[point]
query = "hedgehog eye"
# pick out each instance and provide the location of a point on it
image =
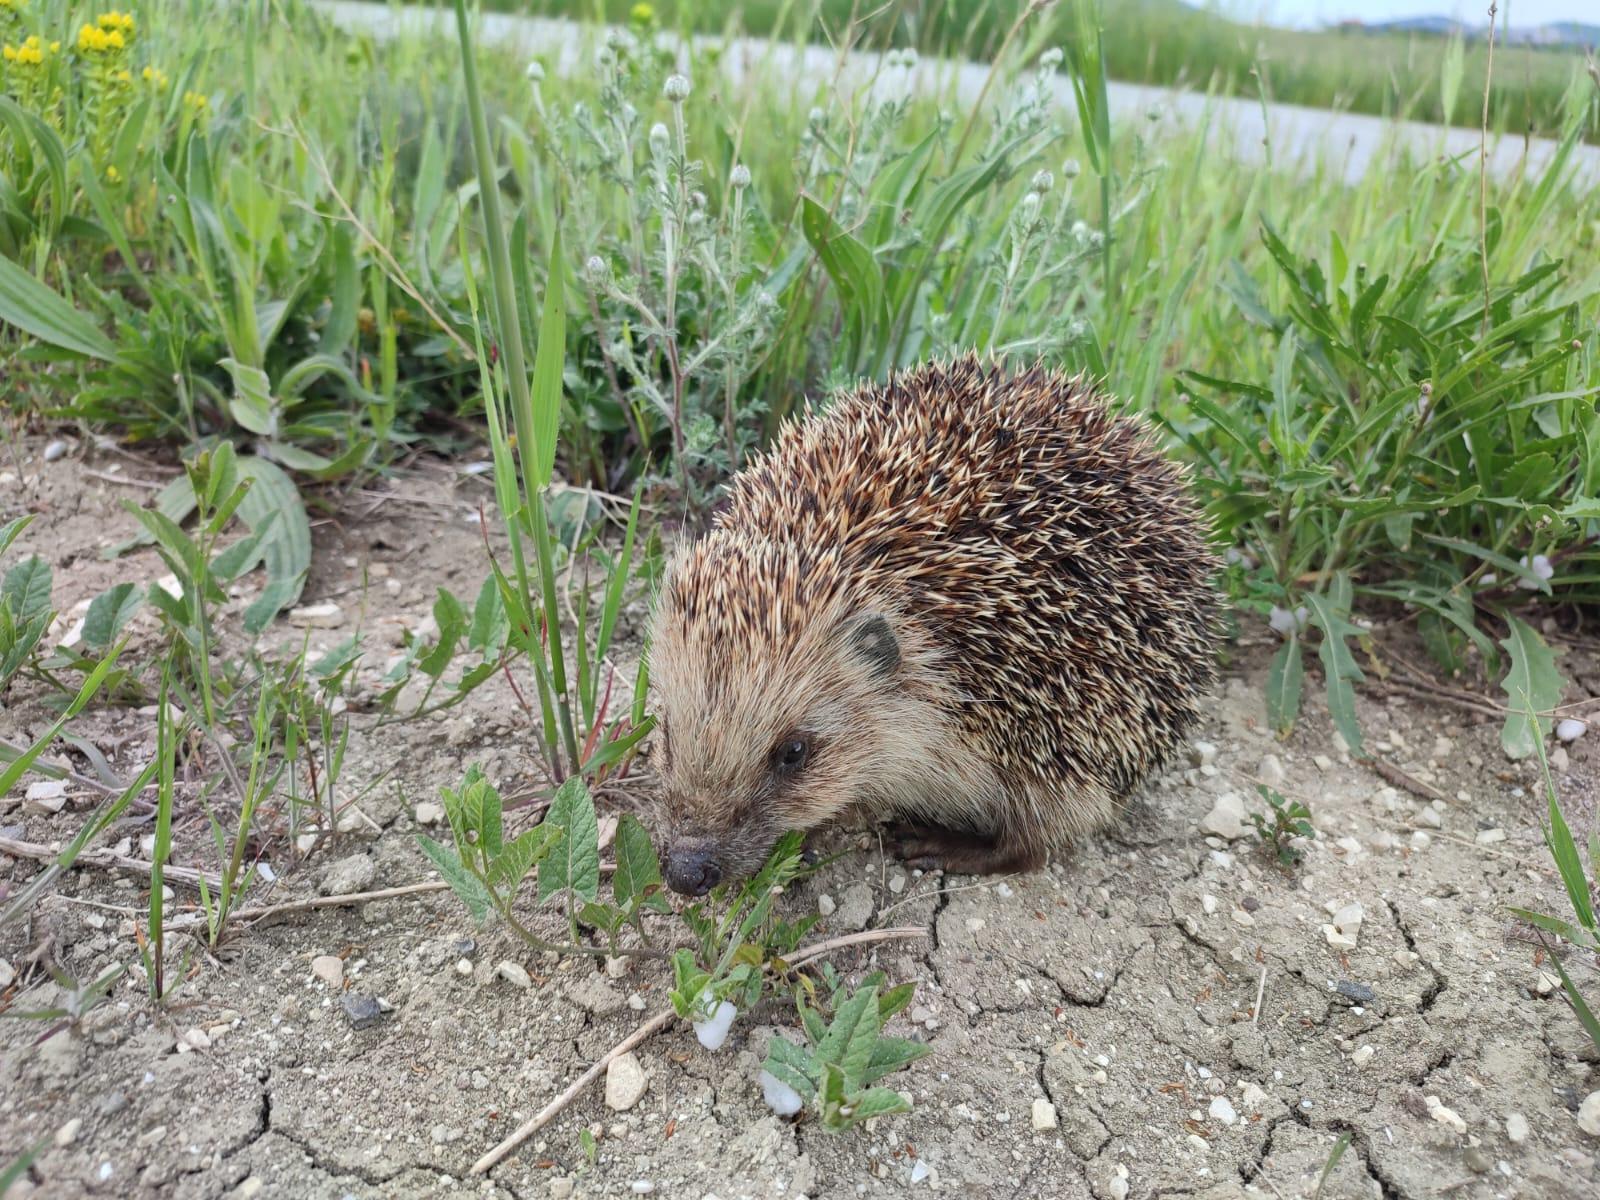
(790, 756)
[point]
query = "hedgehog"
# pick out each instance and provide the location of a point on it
(971, 601)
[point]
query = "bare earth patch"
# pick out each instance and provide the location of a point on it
(1119, 987)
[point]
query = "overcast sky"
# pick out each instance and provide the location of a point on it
(1474, 12)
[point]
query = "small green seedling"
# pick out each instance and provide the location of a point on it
(1278, 829)
(834, 1074)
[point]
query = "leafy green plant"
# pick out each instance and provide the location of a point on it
(1282, 823)
(1582, 933)
(835, 1072)
(25, 611)
(580, 736)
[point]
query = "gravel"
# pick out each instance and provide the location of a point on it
(1517, 1128)
(1589, 1114)
(1222, 1110)
(1044, 1115)
(329, 968)
(1358, 993)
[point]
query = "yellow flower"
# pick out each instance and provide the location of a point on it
(195, 100)
(117, 20)
(642, 14)
(55, 47)
(155, 77)
(113, 175)
(123, 76)
(10, 52)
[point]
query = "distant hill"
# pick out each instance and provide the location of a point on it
(1556, 33)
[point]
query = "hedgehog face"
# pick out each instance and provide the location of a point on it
(771, 703)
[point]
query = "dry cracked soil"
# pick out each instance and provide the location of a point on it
(1164, 1011)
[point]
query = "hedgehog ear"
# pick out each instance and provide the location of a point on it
(872, 638)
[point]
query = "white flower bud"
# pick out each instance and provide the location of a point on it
(659, 137)
(677, 88)
(1052, 58)
(739, 177)
(535, 71)
(1028, 210)
(596, 271)
(1043, 181)
(1070, 168)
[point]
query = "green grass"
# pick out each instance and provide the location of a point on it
(1168, 43)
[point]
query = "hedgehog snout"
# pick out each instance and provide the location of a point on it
(692, 866)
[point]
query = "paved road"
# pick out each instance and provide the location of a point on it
(1349, 144)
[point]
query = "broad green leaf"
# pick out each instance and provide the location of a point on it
(27, 588)
(850, 1037)
(574, 860)
(1532, 686)
(482, 813)
(850, 265)
(792, 1065)
(489, 622)
(465, 885)
(895, 999)
(253, 405)
(286, 550)
(108, 613)
(451, 619)
(890, 1054)
(12, 529)
(519, 856)
(1284, 681)
(637, 865)
(34, 308)
(876, 1102)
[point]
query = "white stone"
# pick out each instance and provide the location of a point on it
(1208, 904)
(1222, 1110)
(1447, 1117)
(514, 974)
(1362, 1056)
(429, 813)
(327, 615)
(196, 1039)
(1345, 929)
(1253, 1097)
(56, 449)
(1271, 770)
(1589, 1114)
(826, 905)
(1429, 816)
(625, 1082)
(329, 968)
(1226, 818)
(1118, 1186)
(45, 797)
(1570, 729)
(1202, 754)
(1489, 837)
(68, 1133)
(1044, 1115)
(1517, 1128)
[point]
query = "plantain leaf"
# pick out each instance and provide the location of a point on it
(34, 308)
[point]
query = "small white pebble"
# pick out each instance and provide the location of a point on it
(1044, 1115)
(1570, 729)
(1222, 1110)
